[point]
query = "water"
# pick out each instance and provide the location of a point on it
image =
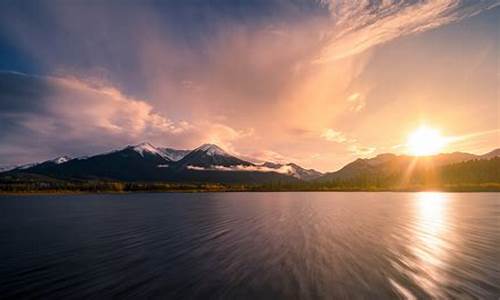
(251, 245)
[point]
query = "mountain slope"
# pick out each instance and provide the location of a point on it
(491, 154)
(174, 154)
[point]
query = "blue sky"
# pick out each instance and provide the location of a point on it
(318, 83)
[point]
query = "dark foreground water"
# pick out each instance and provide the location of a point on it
(251, 245)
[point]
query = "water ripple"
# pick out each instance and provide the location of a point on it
(251, 245)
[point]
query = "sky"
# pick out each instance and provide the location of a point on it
(315, 82)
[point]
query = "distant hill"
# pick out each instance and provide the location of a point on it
(491, 154)
(390, 170)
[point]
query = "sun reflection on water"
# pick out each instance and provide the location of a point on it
(426, 262)
(431, 220)
(430, 246)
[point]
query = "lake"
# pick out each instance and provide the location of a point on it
(251, 245)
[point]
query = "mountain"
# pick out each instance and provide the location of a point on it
(145, 162)
(397, 170)
(130, 163)
(146, 149)
(476, 171)
(209, 156)
(211, 164)
(294, 170)
(492, 154)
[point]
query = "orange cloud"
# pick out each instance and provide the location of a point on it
(333, 136)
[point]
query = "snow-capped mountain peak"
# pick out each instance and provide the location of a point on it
(211, 149)
(168, 154)
(145, 147)
(210, 156)
(148, 148)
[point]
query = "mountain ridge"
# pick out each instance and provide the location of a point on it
(392, 169)
(210, 163)
(146, 162)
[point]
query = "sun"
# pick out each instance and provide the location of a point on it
(425, 141)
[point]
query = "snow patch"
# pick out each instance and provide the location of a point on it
(145, 147)
(61, 159)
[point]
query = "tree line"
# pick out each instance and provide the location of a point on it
(473, 175)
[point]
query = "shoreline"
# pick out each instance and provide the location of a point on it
(183, 191)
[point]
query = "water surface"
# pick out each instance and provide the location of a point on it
(251, 245)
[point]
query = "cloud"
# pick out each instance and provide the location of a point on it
(240, 78)
(358, 25)
(361, 151)
(334, 136)
(282, 170)
(351, 144)
(478, 142)
(263, 155)
(356, 102)
(256, 168)
(46, 116)
(222, 135)
(56, 105)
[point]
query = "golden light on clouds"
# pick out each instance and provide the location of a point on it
(334, 79)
